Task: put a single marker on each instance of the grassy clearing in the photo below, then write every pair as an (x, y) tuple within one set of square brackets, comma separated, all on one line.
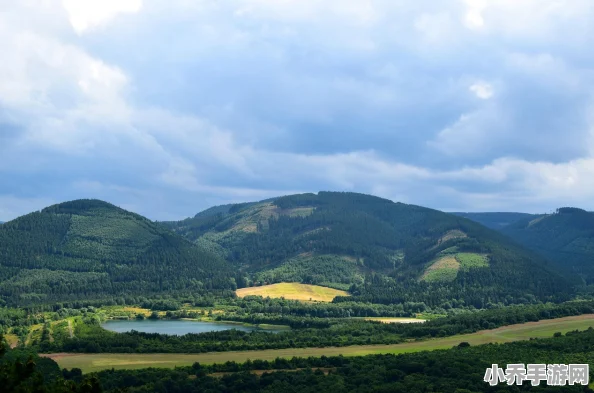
[(11, 339), (470, 260), (443, 270), (34, 333), (546, 328), (293, 291), (297, 212)]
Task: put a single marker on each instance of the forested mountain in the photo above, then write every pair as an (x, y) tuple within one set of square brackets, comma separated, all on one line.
[(382, 251), (89, 248), (565, 237), (495, 220)]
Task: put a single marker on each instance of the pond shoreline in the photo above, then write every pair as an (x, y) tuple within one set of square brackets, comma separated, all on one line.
[(183, 326)]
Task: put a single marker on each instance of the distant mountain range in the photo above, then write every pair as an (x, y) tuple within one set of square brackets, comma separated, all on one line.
[(378, 250), (495, 220), (565, 238)]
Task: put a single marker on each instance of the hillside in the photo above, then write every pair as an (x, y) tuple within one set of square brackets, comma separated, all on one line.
[(380, 250), (495, 220), (89, 248), (566, 238)]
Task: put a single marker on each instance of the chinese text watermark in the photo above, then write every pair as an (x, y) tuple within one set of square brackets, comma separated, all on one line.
[(552, 374)]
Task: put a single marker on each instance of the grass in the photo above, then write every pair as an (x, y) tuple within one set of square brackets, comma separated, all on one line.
[(541, 329), (11, 339), (34, 333), (443, 270), (446, 268), (470, 260), (293, 291)]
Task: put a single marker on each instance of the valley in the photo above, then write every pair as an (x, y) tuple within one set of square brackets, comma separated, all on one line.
[(541, 329), (301, 278)]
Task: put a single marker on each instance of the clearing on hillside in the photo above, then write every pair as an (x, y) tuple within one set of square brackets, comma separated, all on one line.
[(446, 268), (293, 291)]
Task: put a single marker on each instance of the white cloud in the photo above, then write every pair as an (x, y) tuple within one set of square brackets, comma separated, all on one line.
[(360, 95), (473, 18), (482, 90), (88, 14)]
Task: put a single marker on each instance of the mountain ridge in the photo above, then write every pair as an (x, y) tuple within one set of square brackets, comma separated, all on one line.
[(565, 237), (494, 220), (90, 248), (350, 240)]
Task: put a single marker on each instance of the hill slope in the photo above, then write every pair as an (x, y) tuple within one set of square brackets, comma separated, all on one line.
[(495, 220), (89, 248), (566, 238), (383, 251)]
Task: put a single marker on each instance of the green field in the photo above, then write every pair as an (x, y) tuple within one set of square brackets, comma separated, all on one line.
[(446, 268), (293, 291), (546, 328)]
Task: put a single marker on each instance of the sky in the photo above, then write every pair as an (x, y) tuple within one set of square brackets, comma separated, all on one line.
[(168, 107)]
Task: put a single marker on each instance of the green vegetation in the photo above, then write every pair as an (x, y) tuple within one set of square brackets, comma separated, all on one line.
[(566, 238), (26, 372), (90, 249), (541, 329), (377, 248), (495, 220), (307, 331), (471, 261), (457, 369), (361, 260), (445, 269), (327, 270)]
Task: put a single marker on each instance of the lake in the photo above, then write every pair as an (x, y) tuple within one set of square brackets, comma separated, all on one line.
[(178, 327)]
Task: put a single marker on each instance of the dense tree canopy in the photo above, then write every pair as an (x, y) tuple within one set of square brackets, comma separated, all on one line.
[(91, 249), (377, 248)]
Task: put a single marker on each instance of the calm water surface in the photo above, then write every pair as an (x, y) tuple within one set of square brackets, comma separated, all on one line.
[(174, 327)]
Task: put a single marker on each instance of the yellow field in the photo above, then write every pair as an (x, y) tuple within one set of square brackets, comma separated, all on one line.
[(293, 291), (11, 339), (525, 331)]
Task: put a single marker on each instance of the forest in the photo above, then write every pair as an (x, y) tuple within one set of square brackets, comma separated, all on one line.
[(66, 269), (89, 249), (460, 369), (307, 331), (375, 248)]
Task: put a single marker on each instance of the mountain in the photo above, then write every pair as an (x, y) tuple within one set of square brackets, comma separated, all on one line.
[(380, 250), (88, 249), (495, 220), (565, 237)]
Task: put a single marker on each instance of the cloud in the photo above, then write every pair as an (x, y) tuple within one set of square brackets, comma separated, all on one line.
[(169, 107), (88, 14), (482, 90)]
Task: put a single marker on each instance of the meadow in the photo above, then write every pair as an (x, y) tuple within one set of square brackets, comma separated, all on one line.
[(525, 331), (293, 291)]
